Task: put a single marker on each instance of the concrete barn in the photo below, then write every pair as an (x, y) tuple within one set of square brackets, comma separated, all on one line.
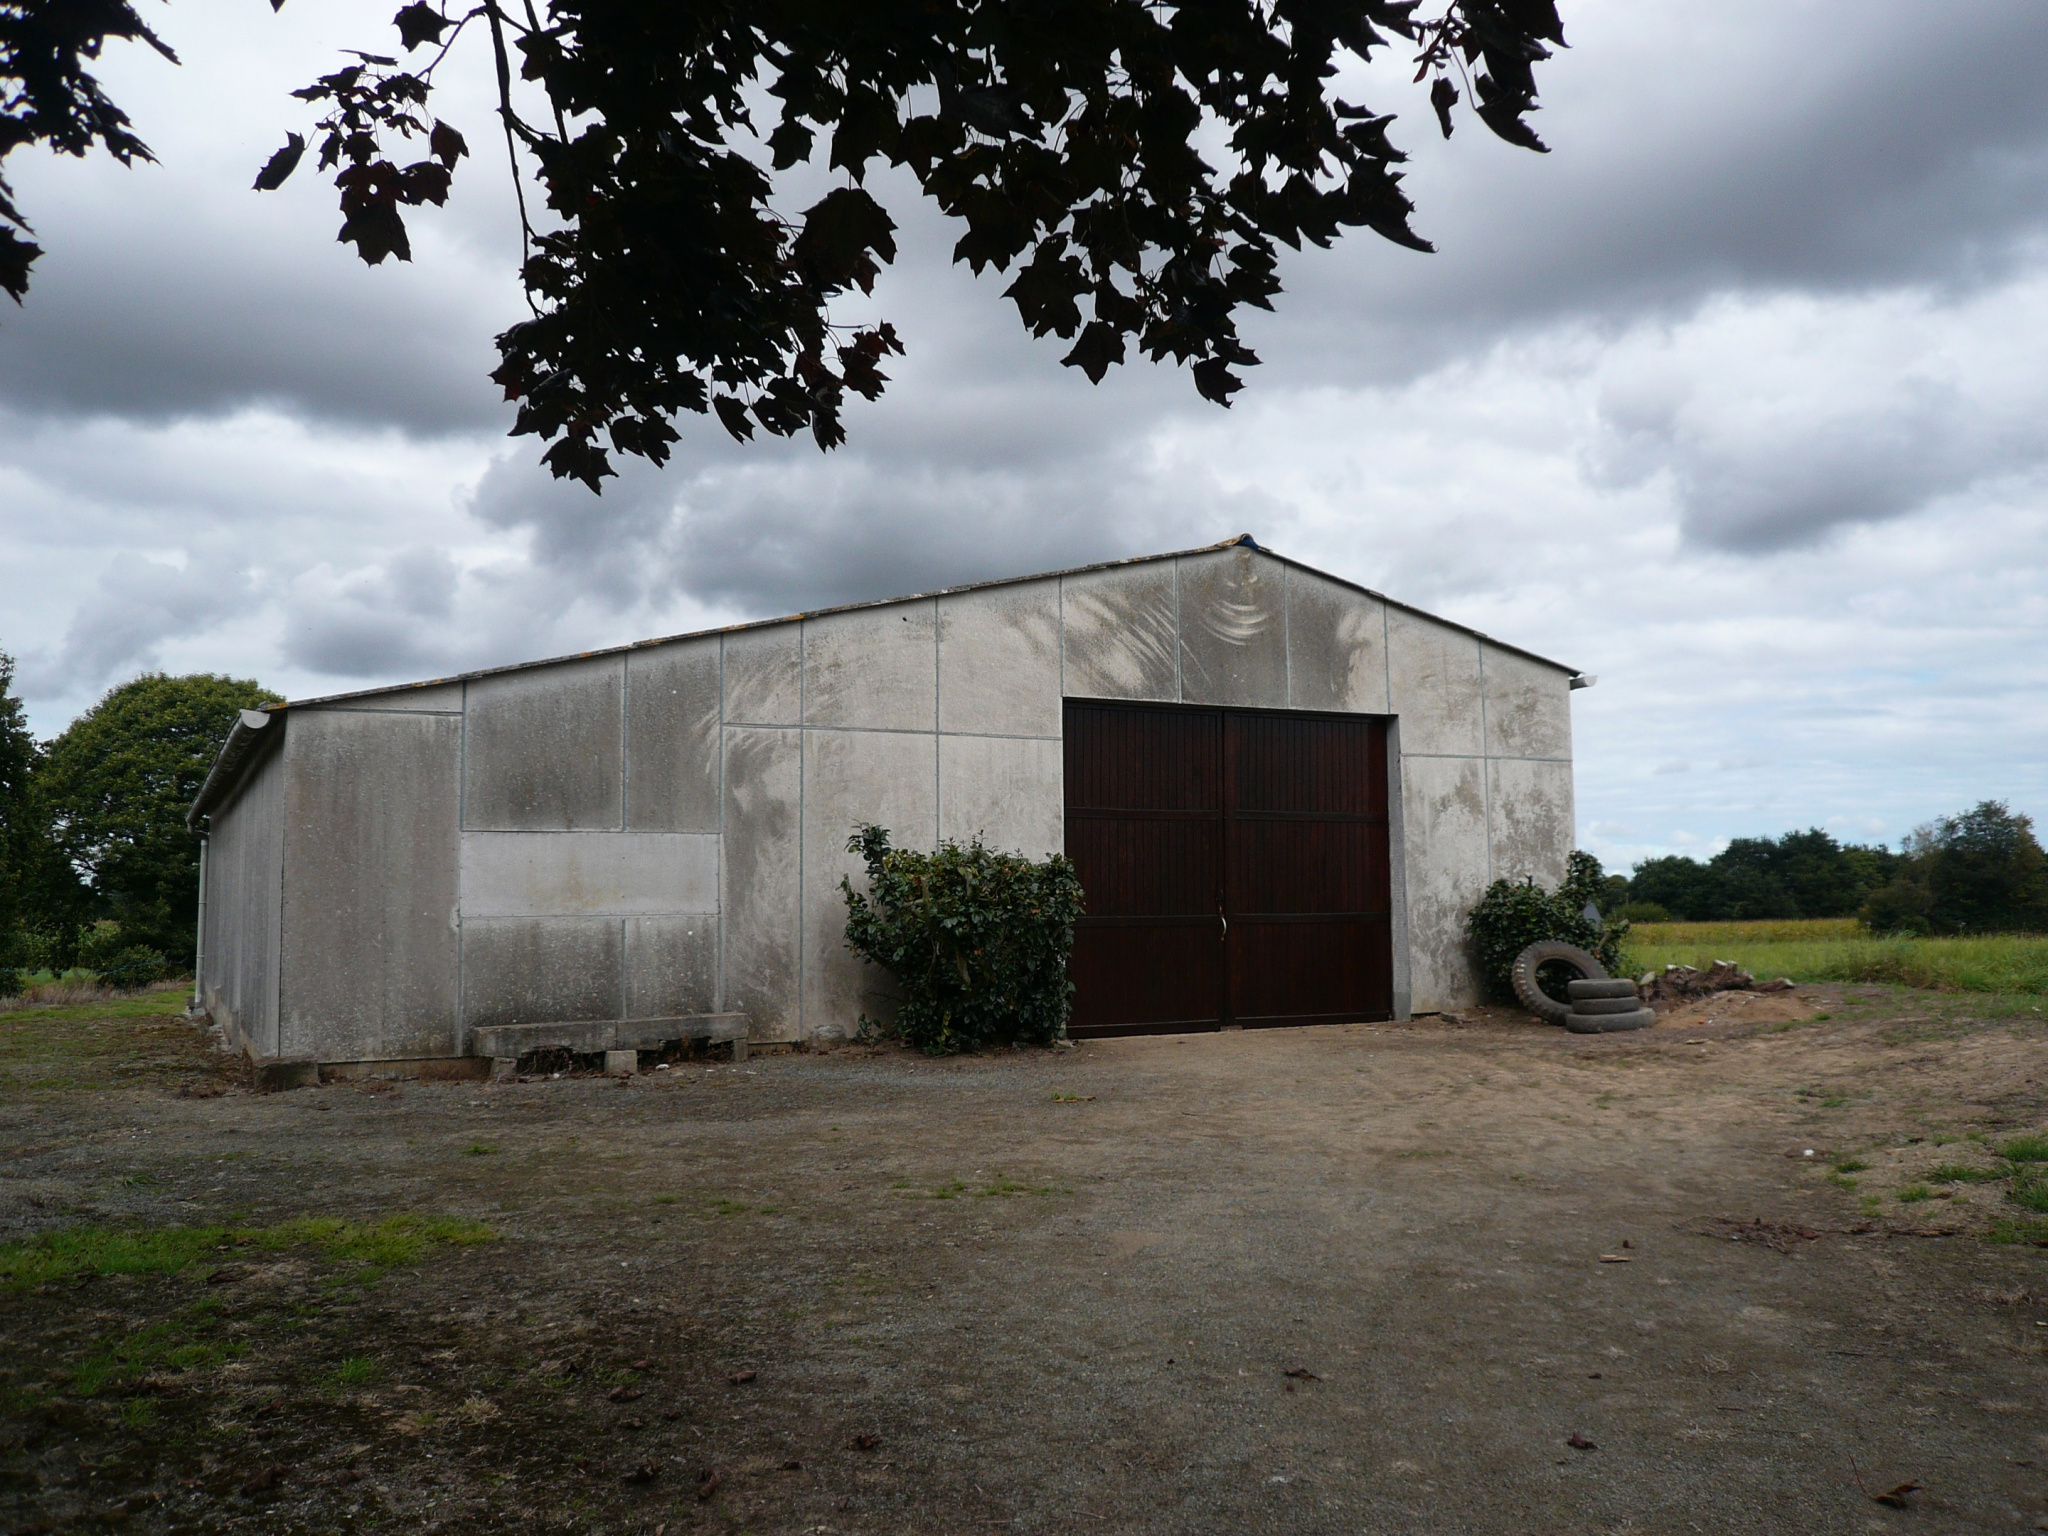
[(1283, 793)]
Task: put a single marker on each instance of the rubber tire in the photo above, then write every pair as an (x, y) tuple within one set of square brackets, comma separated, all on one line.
[(1533, 997), (1594, 1007), (1610, 1023), (1616, 986)]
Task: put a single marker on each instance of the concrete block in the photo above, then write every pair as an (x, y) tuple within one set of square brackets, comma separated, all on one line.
[(1435, 686), (1233, 629), (561, 874), (1336, 646), (873, 668), (622, 1063), (369, 948), (544, 748), (763, 897), (429, 698), (1010, 791), (528, 970), (1444, 825), (852, 777), (999, 660), (1532, 822), (1528, 707), (672, 745), (764, 675), (1120, 634), (504, 1069), (671, 965)]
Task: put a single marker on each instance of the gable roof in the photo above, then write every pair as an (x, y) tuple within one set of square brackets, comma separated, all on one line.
[(242, 740)]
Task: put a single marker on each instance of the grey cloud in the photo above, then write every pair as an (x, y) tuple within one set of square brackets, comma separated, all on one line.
[(135, 607)]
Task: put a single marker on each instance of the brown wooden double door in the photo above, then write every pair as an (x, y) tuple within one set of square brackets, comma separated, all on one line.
[(1234, 865)]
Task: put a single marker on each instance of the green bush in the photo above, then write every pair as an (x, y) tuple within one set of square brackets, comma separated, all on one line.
[(978, 940), (1511, 917), (136, 966), (1641, 912)]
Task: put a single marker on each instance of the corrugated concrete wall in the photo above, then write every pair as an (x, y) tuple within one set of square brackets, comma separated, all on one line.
[(663, 830), (244, 867)]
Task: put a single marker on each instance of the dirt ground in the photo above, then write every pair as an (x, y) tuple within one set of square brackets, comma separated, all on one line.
[(1355, 1279)]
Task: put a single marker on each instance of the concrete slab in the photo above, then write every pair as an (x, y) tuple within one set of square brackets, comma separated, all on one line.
[(1336, 646), (999, 661), (764, 675), (1444, 820), (852, 777), (1012, 792), (1533, 828), (762, 890), (671, 965), (544, 748), (1233, 629), (523, 970), (368, 948), (1528, 707), (1120, 634), (875, 669), (622, 1063), (1435, 686), (672, 745), (559, 874)]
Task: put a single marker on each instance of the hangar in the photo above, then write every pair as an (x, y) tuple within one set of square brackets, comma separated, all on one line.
[(1282, 792)]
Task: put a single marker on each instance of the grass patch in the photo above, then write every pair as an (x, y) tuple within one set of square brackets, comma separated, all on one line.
[(2025, 1149), (1965, 1173), (2030, 1193), (166, 1250), (2031, 1230), (666, 1199), (356, 1371), (479, 1149), (1851, 1165), (724, 1207), (1839, 950), (1913, 1194), (178, 1343)]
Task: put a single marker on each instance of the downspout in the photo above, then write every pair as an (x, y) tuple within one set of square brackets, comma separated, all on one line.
[(199, 939)]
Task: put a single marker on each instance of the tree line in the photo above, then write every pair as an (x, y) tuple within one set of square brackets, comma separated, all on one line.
[(97, 869), (1980, 871)]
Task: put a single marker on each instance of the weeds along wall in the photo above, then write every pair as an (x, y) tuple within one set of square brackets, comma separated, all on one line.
[(662, 829)]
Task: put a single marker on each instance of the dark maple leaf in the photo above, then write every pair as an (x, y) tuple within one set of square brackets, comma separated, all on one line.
[(419, 23), (280, 165)]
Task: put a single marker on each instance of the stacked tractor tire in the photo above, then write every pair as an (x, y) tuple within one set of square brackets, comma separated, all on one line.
[(1600, 1004)]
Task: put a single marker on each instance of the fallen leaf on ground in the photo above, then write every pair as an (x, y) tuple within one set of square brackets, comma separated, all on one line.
[(865, 1442), (792, 1466), (623, 1394), (1895, 1497), (269, 1477), (1303, 1373), (646, 1472), (707, 1484), (1579, 1442), (739, 1378)]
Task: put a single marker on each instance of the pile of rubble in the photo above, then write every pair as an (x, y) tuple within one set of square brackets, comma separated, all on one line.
[(1682, 983)]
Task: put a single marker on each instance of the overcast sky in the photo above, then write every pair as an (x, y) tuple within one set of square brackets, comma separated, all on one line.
[(1738, 399)]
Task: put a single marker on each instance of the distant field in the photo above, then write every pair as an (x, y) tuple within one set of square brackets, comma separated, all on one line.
[(1838, 949)]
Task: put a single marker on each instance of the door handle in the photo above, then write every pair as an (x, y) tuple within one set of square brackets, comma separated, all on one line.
[(1224, 921)]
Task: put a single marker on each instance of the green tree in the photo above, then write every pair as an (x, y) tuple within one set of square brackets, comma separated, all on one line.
[(1138, 163), (1981, 871), (42, 900), (117, 784)]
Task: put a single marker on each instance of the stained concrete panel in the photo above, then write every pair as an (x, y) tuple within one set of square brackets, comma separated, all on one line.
[(1444, 822), (244, 884), (1233, 629), (1528, 707), (671, 965), (763, 897), (672, 743), (1533, 828), (852, 777), (874, 668), (764, 675), (561, 874), (369, 944), (999, 660), (1120, 634), (541, 970), (1336, 646), (1010, 792), (433, 698), (1435, 685), (544, 748)]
